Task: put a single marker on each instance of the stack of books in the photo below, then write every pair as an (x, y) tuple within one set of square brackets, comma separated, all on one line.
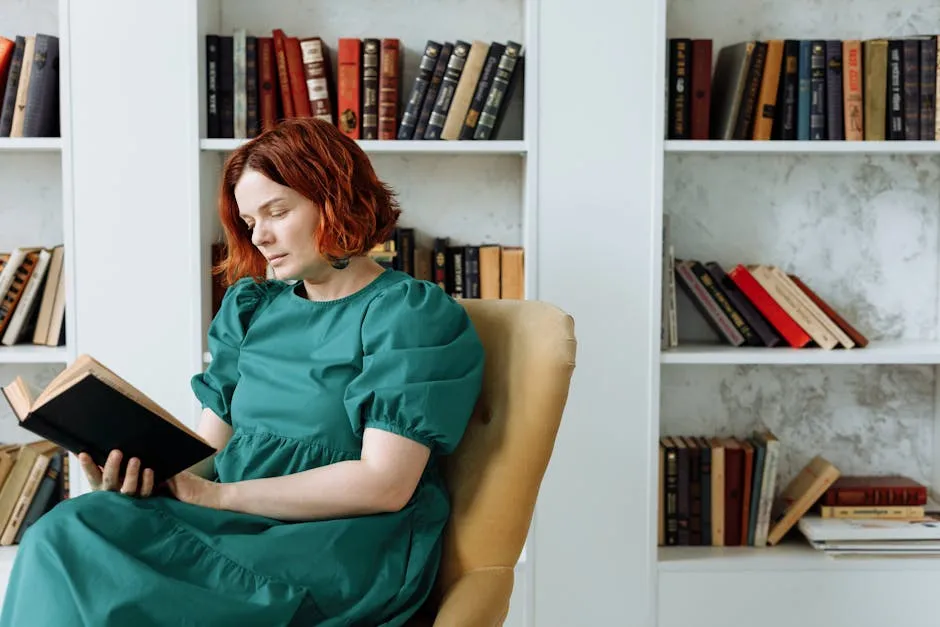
[(887, 515)]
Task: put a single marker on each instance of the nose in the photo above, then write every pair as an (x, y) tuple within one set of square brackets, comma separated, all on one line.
[(260, 234)]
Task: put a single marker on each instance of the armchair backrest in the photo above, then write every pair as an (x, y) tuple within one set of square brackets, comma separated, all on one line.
[(495, 474)]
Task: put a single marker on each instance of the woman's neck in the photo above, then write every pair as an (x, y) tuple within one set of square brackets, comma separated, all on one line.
[(336, 284)]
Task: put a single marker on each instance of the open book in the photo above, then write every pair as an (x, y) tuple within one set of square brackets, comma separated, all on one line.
[(89, 408)]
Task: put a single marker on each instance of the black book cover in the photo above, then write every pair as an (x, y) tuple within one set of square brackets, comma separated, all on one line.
[(93, 417)]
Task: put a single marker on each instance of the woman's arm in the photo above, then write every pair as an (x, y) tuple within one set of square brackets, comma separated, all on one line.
[(382, 480), (217, 433)]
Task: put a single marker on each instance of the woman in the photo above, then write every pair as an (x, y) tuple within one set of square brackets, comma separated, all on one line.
[(329, 401)]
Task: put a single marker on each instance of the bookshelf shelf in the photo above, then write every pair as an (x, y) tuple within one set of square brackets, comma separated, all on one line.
[(787, 556), (396, 147), (30, 144), (28, 354), (887, 352), (802, 147)]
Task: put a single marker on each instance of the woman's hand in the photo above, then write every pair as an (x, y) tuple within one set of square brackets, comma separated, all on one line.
[(193, 489), (135, 482)]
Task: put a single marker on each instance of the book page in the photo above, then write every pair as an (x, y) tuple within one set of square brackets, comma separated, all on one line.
[(19, 397)]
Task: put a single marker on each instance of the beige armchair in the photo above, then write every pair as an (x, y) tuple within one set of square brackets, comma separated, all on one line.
[(495, 474)]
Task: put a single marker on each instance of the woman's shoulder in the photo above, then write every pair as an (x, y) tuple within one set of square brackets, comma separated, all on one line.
[(415, 308), (248, 294), (405, 295)]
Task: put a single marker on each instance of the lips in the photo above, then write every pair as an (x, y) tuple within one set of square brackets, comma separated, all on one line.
[(276, 258)]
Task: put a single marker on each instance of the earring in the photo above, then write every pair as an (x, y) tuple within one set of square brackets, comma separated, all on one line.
[(340, 263)]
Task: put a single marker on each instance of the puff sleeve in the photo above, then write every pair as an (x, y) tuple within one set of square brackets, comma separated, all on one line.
[(216, 384), (422, 367)]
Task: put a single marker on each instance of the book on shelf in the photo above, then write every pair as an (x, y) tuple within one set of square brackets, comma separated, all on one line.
[(88, 408), (804, 89), (32, 296), (29, 86), (753, 305), (462, 90)]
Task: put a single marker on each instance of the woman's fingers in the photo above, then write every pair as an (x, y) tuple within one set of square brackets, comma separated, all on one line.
[(131, 474), (91, 470), (110, 477), (146, 485)]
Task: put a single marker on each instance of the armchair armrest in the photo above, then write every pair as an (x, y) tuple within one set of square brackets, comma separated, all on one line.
[(480, 598)]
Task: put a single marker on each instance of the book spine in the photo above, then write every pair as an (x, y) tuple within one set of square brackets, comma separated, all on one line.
[(419, 89), (434, 86), (348, 97), (680, 60), (852, 87), (817, 86), (213, 122), (370, 89), (252, 117), (389, 79), (478, 101), (744, 125), (239, 84), (804, 91), (928, 86), (896, 105), (499, 92), (448, 86), (315, 63), (835, 125), (911, 82)]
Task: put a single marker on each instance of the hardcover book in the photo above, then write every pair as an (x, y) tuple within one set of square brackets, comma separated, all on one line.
[(89, 408)]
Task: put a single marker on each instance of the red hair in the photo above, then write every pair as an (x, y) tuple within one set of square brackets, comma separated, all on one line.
[(312, 157)]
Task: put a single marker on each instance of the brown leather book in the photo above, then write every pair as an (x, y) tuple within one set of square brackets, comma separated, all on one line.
[(389, 87), (316, 61)]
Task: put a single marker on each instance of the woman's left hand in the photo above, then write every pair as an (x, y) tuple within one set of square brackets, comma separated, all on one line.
[(191, 488)]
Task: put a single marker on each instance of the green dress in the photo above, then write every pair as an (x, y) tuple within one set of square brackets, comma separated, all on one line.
[(298, 381)]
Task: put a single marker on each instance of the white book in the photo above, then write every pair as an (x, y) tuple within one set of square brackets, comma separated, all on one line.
[(818, 529)]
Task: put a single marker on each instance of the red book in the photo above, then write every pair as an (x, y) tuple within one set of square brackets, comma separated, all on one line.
[(267, 83), (283, 80), (849, 491), (6, 58), (348, 72), (298, 78), (765, 303)]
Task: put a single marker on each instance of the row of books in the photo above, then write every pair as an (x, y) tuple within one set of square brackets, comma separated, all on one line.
[(488, 271), (463, 271), (804, 89), (753, 305), (29, 86), (32, 296), (722, 491), (33, 479), (719, 491), (461, 89)]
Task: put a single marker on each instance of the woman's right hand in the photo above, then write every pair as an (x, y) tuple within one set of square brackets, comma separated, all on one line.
[(135, 482)]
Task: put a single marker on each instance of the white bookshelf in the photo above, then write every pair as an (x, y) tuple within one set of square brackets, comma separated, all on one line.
[(856, 220), (30, 144), (470, 191)]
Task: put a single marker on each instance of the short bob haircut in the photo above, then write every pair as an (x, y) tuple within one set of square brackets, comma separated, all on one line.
[(312, 157)]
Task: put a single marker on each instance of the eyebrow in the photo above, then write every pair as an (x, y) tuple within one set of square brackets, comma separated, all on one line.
[(266, 204)]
